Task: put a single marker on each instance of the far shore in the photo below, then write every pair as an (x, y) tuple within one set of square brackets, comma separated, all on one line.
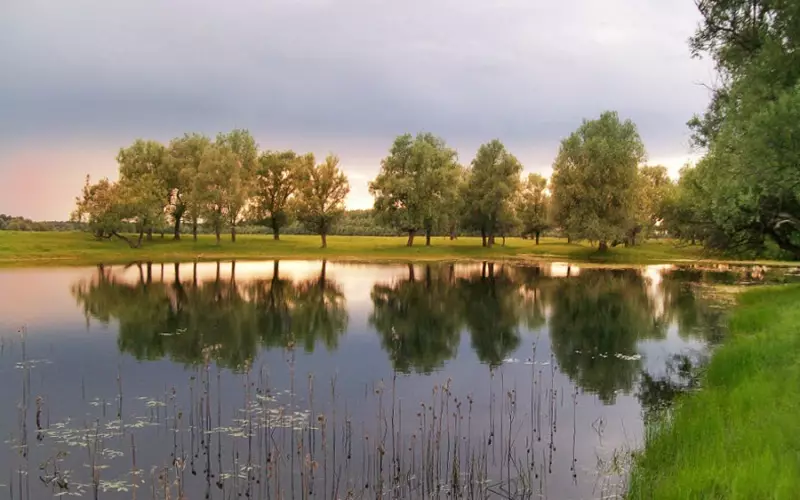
[(31, 249)]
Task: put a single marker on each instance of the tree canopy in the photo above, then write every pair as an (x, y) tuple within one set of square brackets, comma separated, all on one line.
[(594, 179)]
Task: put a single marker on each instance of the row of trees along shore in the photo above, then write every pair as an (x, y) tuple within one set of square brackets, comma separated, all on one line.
[(599, 190)]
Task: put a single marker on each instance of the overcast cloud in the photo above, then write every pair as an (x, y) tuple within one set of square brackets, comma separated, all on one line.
[(81, 78)]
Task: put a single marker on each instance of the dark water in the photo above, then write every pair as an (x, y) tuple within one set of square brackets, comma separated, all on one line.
[(325, 380)]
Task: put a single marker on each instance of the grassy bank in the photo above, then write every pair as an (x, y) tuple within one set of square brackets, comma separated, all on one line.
[(74, 248), (738, 437)]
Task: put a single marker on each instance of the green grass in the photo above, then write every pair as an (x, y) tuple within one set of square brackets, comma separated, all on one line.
[(75, 248), (739, 436)]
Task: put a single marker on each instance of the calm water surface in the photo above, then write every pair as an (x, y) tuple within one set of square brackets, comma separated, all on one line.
[(298, 379)]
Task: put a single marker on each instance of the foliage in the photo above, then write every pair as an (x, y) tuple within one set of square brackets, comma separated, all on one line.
[(245, 150), (417, 182), (594, 179), (274, 185), (491, 188), (745, 191), (320, 195), (533, 206), (185, 156), (220, 187)]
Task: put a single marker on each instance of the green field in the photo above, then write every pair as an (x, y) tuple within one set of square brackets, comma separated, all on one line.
[(75, 248), (739, 436)]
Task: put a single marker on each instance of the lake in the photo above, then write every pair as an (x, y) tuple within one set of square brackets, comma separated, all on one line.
[(300, 379)]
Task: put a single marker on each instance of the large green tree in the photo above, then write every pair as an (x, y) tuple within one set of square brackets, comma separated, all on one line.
[(532, 206), (220, 188), (416, 184), (494, 181), (274, 184), (653, 191), (146, 162), (594, 179), (320, 196), (749, 179), (185, 154), (244, 147)]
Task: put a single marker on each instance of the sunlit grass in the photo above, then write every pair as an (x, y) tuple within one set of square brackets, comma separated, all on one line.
[(739, 437), (67, 248)]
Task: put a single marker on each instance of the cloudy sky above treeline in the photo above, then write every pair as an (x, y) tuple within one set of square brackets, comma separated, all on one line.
[(82, 78)]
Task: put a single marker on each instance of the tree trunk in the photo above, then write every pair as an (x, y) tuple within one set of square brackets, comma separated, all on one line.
[(194, 229), (217, 231), (150, 234), (276, 232), (324, 239), (131, 243), (452, 232), (411, 233), (569, 239), (177, 228), (490, 240), (162, 234), (603, 246), (233, 234), (483, 237), (427, 237), (504, 240), (537, 237)]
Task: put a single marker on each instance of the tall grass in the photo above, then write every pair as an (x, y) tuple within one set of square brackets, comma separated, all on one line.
[(739, 436)]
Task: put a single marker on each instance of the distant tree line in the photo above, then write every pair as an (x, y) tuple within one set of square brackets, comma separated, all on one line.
[(16, 223), (598, 191)]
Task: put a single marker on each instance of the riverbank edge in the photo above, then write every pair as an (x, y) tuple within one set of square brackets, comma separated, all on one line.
[(19, 250), (738, 437)]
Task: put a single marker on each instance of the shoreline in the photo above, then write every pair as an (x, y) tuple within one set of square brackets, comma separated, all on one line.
[(738, 435), (72, 249)]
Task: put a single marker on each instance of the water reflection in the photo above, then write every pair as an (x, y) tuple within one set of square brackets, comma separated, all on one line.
[(475, 379), (192, 320), (595, 317), (597, 320)]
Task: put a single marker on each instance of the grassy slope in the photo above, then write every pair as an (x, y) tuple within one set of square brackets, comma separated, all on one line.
[(21, 248), (738, 437)]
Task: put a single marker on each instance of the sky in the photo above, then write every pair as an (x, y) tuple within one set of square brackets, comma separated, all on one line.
[(80, 79)]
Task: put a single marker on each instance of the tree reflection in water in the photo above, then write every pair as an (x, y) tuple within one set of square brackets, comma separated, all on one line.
[(595, 318), (191, 321)]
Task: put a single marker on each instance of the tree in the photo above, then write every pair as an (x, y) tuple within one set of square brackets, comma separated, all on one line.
[(147, 161), (245, 149), (185, 154), (653, 189), (594, 179), (320, 196), (415, 184), (275, 183), (491, 189), (532, 206), (109, 208), (219, 187), (749, 177), (418, 321)]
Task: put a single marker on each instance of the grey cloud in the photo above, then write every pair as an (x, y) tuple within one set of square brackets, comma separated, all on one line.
[(469, 70)]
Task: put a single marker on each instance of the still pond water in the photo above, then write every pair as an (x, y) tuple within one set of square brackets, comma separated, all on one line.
[(297, 379)]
